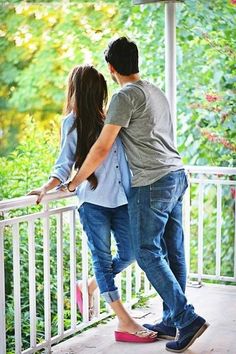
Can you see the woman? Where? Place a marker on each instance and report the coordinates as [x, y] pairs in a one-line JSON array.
[[102, 198]]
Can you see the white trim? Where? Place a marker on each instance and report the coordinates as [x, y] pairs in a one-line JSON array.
[[211, 170], [28, 200], [170, 62]]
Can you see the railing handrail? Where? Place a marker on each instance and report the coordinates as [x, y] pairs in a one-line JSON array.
[[211, 170], [29, 200]]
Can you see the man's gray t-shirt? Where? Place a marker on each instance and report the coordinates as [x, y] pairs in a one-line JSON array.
[[143, 112]]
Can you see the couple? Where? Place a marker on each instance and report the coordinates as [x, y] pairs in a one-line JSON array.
[[146, 219]]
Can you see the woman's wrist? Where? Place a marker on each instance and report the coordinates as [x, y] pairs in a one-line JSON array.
[[45, 187]]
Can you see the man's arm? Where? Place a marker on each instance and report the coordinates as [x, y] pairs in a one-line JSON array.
[[97, 154]]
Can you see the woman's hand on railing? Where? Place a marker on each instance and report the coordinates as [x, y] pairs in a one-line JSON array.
[[40, 192]]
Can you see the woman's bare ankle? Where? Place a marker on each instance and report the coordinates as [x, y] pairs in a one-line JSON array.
[[129, 325], [92, 286]]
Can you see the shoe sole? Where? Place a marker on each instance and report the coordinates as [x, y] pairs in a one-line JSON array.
[[132, 338], [198, 334], [165, 337]]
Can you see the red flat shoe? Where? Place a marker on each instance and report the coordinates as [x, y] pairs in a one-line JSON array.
[[134, 338]]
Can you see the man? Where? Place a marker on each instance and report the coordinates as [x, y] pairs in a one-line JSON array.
[[140, 113]]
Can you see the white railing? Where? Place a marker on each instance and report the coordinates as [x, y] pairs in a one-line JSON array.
[[195, 213], [216, 185], [10, 227]]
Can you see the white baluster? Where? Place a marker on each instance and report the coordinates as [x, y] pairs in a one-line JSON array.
[[2, 295], [60, 291], [218, 230], [32, 285], [47, 292], [73, 270], [200, 229], [129, 286], [16, 282]]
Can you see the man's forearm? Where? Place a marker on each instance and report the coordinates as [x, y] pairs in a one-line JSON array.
[[96, 155]]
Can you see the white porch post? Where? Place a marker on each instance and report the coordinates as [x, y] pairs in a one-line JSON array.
[[170, 61], [170, 54]]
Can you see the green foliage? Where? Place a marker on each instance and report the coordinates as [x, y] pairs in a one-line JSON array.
[[39, 45], [30, 164], [206, 74]]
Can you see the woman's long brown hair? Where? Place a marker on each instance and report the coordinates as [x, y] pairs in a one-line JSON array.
[[86, 97]]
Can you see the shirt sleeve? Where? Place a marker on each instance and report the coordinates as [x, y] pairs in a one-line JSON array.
[[120, 110], [66, 159]]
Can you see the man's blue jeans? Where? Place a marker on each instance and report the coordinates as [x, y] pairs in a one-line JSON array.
[[158, 240], [98, 222]]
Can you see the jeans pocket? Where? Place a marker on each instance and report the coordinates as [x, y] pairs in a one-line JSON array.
[[185, 186], [161, 197], [186, 181]]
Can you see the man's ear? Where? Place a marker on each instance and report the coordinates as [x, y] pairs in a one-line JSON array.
[[111, 68]]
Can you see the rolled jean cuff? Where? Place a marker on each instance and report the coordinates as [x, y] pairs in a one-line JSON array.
[[111, 296]]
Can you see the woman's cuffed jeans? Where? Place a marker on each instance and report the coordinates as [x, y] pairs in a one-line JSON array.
[[98, 223]]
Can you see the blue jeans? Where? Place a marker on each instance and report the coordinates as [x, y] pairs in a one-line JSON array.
[[98, 223], [158, 240]]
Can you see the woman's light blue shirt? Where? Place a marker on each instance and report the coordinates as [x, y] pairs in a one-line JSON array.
[[113, 174]]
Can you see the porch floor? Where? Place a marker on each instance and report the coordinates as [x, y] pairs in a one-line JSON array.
[[217, 303]]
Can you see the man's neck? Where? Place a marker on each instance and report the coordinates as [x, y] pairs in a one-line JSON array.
[[123, 80]]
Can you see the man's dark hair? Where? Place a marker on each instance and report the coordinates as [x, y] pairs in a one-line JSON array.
[[122, 54]]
